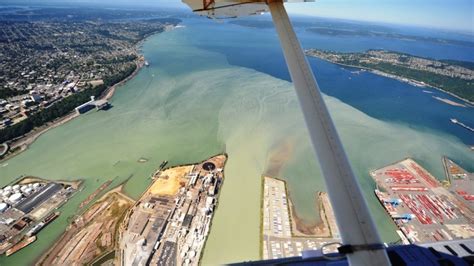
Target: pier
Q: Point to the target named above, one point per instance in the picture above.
(283, 233)
(170, 222)
(455, 121)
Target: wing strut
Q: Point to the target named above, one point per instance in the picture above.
(353, 217)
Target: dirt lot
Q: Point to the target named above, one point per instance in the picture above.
(170, 181)
(92, 234)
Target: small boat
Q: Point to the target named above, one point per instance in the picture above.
(147, 64)
(162, 165)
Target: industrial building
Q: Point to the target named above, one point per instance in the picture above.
(25, 205)
(170, 223)
(93, 103)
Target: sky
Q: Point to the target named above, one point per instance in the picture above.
(445, 14)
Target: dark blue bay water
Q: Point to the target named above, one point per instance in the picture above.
(380, 97)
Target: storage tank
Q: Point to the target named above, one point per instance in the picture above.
(7, 193)
(16, 187)
(1, 191)
(7, 188)
(27, 191)
(15, 197)
(3, 206)
(36, 185)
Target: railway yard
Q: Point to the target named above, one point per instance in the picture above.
(423, 209)
(169, 224)
(282, 235)
(92, 234)
(26, 207)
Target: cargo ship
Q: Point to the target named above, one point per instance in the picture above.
(163, 164)
(23, 243)
(42, 224)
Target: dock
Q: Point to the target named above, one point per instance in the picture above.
(93, 103)
(461, 124)
(27, 206)
(422, 208)
(170, 222)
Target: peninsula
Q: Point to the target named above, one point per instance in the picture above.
(283, 233)
(170, 222)
(453, 77)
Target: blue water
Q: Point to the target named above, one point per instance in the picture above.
(190, 102)
(379, 97)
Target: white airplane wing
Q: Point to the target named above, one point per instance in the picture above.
(231, 8)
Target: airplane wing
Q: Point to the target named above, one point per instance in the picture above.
(231, 8)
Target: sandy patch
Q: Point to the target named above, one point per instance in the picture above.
(170, 181)
(447, 101)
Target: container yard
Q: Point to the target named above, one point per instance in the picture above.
(26, 207)
(460, 182)
(169, 224)
(423, 209)
(281, 236)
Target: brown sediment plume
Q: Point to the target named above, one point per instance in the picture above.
(278, 156)
(304, 228)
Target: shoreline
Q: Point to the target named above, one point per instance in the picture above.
(21, 144)
(399, 78)
(72, 229)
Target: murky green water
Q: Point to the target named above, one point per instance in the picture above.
(191, 104)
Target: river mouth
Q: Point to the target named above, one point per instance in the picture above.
(250, 115)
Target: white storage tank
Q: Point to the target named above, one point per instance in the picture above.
(36, 185)
(3, 206)
(7, 193)
(1, 191)
(27, 191)
(15, 197)
(7, 188)
(16, 187)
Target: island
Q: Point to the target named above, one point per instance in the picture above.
(453, 77)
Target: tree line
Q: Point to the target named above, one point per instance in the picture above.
(62, 107)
